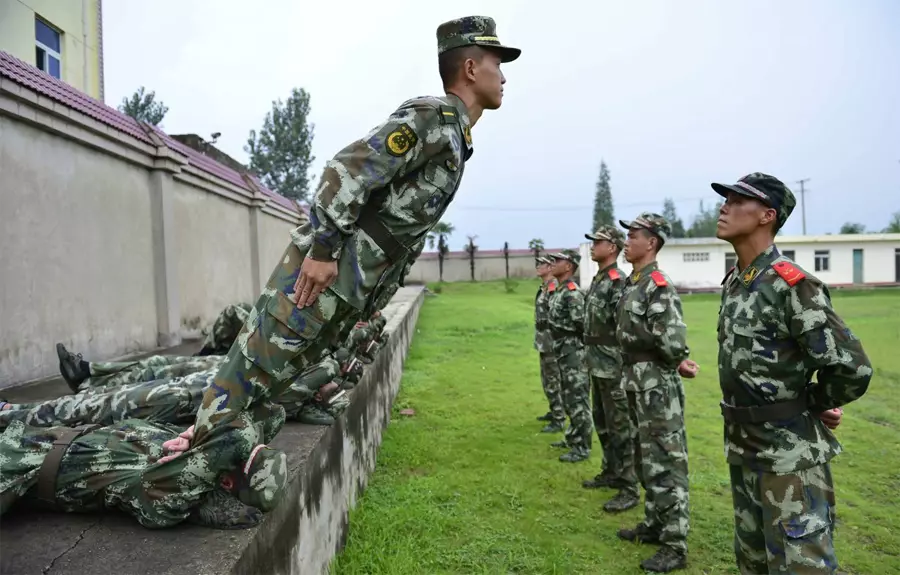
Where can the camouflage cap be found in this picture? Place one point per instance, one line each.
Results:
(473, 31)
(767, 189)
(570, 255)
(654, 223)
(265, 478)
(542, 260)
(610, 234)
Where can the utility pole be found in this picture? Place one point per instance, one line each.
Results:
(803, 201)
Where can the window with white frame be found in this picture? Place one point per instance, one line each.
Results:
(696, 256)
(48, 48)
(822, 260)
(730, 261)
(789, 254)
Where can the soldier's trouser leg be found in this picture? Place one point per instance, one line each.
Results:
(599, 419)
(620, 433)
(278, 341)
(550, 379)
(576, 392)
(784, 523)
(113, 374)
(661, 460)
(224, 330)
(164, 402)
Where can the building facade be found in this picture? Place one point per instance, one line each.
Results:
(63, 38)
(838, 260)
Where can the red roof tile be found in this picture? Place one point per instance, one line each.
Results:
(27, 75)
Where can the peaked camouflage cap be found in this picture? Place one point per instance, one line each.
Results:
(542, 260)
(654, 223)
(767, 189)
(570, 255)
(473, 31)
(610, 234)
(265, 477)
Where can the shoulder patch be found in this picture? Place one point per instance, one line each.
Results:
(467, 133)
(658, 278)
(614, 274)
(449, 115)
(788, 272)
(571, 285)
(401, 141)
(750, 275)
(551, 287)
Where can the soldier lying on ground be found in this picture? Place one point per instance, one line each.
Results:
(146, 390)
(121, 466)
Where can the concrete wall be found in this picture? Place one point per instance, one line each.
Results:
(113, 243)
(79, 22)
(701, 263)
(489, 265)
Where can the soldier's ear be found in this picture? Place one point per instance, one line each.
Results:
(769, 215)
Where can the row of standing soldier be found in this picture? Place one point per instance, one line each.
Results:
(619, 350)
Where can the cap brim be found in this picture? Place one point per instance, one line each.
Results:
(626, 225)
(724, 189)
(590, 237)
(507, 54)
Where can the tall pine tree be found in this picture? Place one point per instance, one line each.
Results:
(603, 204)
(671, 214)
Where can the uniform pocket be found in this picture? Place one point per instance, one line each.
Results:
(282, 332)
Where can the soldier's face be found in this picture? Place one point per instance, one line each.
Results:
(542, 270)
(601, 250)
(637, 245)
(488, 80)
(741, 216)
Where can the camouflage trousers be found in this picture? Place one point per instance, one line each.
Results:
(550, 380)
(576, 396)
(609, 405)
(173, 400)
(111, 374)
(661, 457)
(277, 342)
(221, 335)
(783, 523)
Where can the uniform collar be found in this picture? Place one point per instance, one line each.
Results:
(635, 277)
(465, 123)
(749, 274)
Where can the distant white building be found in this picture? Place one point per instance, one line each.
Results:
(838, 260)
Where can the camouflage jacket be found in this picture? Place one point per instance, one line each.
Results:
(603, 359)
(776, 328)
(649, 323)
(566, 319)
(416, 158)
(115, 467)
(543, 342)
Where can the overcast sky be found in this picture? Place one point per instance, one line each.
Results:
(672, 94)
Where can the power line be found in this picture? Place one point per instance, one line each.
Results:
(567, 208)
(803, 201)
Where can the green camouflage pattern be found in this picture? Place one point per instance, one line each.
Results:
(768, 189)
(772, 338)
(609, 233)
(567, 254)
(222, 510)
(784, 522)
(566, 319)
(473, 31)
(649, 320)
(609, 406)
(653, 337)
(652, 222)
(661, 456)
(601, 300)
(417, 157)
(543, 341)
(107, 375)
(221, 334)
(551, 381)
(115, 467)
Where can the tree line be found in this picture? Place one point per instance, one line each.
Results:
(280, 152)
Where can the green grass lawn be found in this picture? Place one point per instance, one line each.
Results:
(469, 485)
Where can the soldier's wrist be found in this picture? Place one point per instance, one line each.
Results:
(321, 252)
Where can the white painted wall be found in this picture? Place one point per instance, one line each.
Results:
(879, 259)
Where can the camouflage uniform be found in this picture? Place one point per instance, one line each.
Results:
(776, 328)
(566, 320)
(652, 335)
(113, 374)
(604, 360)
(115, 467)
(543, 343)
(161, 399)
(221, 335)
(377, 199)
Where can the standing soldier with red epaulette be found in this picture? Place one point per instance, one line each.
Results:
(543, 343)
(650, 330)
(604, 362)
(567, 330)
(776, 329)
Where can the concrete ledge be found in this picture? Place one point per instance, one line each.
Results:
(329, 467)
